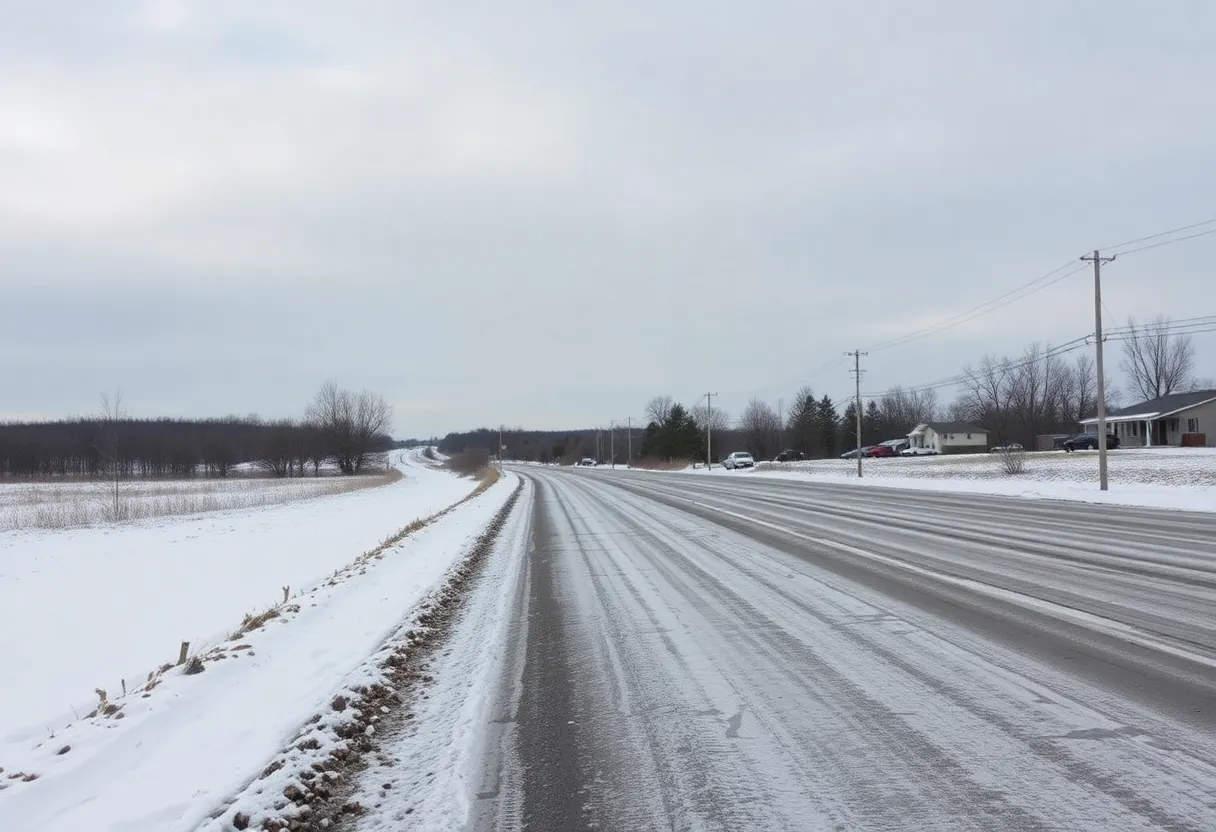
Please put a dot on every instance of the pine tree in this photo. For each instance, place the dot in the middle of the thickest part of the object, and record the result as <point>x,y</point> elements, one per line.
<point>828,426</point>
<point>802,422</point>
<point>871,424</point>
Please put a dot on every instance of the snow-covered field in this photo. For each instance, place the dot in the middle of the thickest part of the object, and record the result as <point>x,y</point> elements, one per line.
<point>65,505</point>
<point>81,610</point>
<point>84,609</point>
<point>1177,478</point>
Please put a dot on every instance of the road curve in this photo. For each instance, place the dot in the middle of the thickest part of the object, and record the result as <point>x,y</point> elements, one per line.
<point>739,653</point>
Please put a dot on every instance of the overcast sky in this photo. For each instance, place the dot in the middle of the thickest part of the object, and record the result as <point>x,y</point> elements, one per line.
<point>544,213</point>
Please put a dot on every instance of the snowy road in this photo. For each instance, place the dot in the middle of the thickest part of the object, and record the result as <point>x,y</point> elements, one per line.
<point>735,654</point>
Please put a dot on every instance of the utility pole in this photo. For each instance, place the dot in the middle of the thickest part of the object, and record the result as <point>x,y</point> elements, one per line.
<point>500,447</point>
<point>709,431</point>
<point>1103,482</point>
<point>781,423</point>
<point>857,354</point>
<point>598,445</point>
<point>612,442</point>
<point>629,436</point>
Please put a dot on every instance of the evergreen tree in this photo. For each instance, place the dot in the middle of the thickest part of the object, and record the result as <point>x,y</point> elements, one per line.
<point>828,426</point>
<point>871,424</point>
<point>677,436</point>
<point>803,423</point>
<point>848,425</point>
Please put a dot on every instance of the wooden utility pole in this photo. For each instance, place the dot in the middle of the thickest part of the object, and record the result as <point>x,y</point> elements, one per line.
<point>709,431</point>
<point>780,425</point>
<point>1103,481</point>
<point>629,421</point>
<point>857,354</point>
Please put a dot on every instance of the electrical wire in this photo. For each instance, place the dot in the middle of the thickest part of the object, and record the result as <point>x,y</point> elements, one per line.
<point>1159,234</point>
<point>1025,290</point>
<point>1188,326</point>
<point>1166,242</point>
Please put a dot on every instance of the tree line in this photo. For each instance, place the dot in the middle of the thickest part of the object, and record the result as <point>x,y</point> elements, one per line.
<point>1014,398</point>
<point>342,427</point>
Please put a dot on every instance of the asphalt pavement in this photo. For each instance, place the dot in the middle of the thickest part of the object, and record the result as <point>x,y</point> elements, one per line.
<point>739,653</point>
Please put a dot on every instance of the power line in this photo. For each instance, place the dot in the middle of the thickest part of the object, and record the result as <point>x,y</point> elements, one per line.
<point>1167,242</point>
<point>1160,234</point>
<point>961,378</point>
<point>1025,290</point>
<point>1187,326</point>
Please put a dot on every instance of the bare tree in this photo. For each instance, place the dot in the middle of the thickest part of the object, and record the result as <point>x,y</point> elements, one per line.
<point>761,428</point>
<point>110,451</point>
<point>1157,363</point>
<point>718,419</point>
<point>986,396</point>
<point>1038,386</point>
<point>350,423</point>
<point>658,410</point>
<point>901,410</point>
<point>1203,384</point>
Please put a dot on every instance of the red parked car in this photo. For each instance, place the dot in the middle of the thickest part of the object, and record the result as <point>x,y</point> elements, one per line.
<point>881,450</point>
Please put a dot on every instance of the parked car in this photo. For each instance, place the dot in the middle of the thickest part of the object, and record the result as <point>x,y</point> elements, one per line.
<point>791,456</point>
<point>739,459</point>
<point>881,450</point>
<point>587,461</point>
<point>1000,449</point>
<point>1089,442</point>
<point>864,451</point>
<point>915,451</point>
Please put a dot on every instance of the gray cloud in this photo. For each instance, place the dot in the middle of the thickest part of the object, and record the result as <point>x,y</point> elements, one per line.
<point>545,213</point>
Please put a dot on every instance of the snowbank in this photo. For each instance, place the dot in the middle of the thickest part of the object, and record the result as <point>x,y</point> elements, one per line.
<point>178,753</point>
<point>90,608</point>
<point>1172,478</point>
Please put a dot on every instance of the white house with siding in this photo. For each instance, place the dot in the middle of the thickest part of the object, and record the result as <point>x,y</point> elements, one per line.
<point>949,437</point>
<point>1176,419</point>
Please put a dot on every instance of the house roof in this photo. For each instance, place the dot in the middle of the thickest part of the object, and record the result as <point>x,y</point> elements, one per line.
<point>950,427</point>
<point>1159,407</point>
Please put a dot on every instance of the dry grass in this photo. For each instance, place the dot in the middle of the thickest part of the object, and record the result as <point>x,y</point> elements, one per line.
<point>468,463</point>
<point>78,505</point>
<point>662,465</point>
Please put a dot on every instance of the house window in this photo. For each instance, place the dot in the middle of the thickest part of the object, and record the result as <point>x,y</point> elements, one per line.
<point>1192,425</point>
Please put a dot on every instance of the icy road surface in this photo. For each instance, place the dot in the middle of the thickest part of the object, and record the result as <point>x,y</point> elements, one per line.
<point>739,654</point>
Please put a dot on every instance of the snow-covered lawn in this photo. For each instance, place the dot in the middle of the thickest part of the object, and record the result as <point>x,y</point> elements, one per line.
<point>89,608</point>
<point>173,754</point>
<point>1178,478</point>
<point>64,505</point>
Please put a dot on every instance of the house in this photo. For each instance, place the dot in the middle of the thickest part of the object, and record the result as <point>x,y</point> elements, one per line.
<point>1176,419</point>
<point>949,437</point>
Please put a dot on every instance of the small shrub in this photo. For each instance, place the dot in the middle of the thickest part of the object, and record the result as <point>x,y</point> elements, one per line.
<point>469,463</point>
<point>1013,462</point>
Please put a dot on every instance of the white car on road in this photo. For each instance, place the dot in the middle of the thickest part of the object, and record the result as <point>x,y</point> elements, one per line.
<point>739,459</point>
<point>914,451</point>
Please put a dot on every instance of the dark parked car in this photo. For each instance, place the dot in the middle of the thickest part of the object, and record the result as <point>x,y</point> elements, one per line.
<point>791,456</point>
<point>1089,442</point>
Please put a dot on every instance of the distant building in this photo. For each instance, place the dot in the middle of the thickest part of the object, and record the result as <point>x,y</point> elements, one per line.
<point>1176,419</point>
<point>949,437</point>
